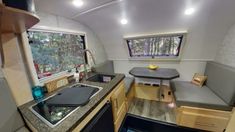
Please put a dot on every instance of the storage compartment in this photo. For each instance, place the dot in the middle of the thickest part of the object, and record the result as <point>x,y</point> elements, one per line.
<point>205,119</point>
<point>150,92</point>
<point>121,116</point>
<point>147,92</point>
<point>130,95</point>
<point>119,105</point>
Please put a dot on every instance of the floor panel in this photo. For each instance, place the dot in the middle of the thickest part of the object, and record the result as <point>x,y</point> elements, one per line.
<point>153,110</point>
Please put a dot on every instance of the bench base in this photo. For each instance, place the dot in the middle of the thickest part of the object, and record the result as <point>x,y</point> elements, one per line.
<point>205,119</point>
<point>151,93</point>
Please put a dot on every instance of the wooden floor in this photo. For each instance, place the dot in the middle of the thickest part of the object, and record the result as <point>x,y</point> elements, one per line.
<point>153,109</point>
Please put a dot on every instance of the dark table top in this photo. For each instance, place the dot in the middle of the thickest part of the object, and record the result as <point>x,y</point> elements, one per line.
<point>160,73</point>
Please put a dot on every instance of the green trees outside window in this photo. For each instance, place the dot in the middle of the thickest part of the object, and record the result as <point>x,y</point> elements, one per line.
<point>155,46</point>
<point>55,52</point>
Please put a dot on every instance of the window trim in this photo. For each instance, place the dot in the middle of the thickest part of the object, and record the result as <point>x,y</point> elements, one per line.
<point>157,58</point>
<point>44,80</point>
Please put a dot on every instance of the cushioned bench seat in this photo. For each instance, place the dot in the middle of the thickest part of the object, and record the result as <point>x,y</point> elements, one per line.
<point>187,94</point>
<point>128,83</point>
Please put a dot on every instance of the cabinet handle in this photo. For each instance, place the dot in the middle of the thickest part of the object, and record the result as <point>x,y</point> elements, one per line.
<point>205,124</point>
<point>116,102</point>
<point>1,45</point>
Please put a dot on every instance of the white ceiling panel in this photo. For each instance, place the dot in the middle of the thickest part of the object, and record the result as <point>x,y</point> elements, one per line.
<point>65,7</point>
<point>206,27</point>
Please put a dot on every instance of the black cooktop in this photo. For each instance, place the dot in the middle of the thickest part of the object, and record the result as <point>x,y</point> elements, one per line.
<point>53,114</point>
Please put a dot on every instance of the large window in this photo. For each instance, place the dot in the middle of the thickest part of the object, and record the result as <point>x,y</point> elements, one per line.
<point>158,46</point>
<point>55,52</point>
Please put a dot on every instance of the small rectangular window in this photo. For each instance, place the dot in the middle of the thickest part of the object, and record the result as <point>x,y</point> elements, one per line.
<point>156,46</point>
<point>55,52</point>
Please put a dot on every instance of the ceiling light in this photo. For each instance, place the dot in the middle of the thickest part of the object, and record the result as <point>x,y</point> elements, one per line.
<point>124,21</point>
<point>189,11</point>
<point>78,3</point>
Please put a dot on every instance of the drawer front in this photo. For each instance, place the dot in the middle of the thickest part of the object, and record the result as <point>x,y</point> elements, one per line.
<point>121,96</point>
<point>120,117</point>
<point>118,99</point>
<point>130,97</point>
<point>204,122</point>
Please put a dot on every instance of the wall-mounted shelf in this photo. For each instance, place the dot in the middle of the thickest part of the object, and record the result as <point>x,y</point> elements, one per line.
<point>16,21</point>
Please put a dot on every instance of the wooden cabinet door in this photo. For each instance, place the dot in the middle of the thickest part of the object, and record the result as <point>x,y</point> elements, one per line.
<point>118,100</point>
<point>205,119</point>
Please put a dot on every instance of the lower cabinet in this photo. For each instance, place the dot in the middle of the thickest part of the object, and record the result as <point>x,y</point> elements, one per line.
<point>102,122</point>
<point>148,92</point>
<point>106,117</point>
<point>205,119</point>
<point>130,96</point>
<point>118,100</point>
<point>133,123</point>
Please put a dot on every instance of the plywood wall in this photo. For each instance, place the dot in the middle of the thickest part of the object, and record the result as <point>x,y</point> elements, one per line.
<point>14,71</point>
<point>231,126</point>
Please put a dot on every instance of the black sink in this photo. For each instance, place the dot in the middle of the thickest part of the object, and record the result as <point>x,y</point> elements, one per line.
<point>101,78</point>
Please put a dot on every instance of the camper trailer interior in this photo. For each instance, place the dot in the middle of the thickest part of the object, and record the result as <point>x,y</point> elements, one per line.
<point>117,65</point>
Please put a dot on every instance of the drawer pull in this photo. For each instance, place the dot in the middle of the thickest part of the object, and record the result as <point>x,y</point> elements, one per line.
<point>116,102</point>
<point>205,124</point>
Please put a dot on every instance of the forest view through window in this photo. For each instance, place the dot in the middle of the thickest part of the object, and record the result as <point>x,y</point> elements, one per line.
<point>55,52</point>
<point>167,46</point>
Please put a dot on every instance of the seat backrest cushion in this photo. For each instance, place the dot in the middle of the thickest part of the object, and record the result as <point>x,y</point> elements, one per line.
<point>105,67</point>
<point>221,80</point>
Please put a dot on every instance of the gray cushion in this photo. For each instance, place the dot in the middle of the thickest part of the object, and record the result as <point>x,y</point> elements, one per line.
<point>221,80</point>
<point>106,67</point>
<point>128,83</point>
<point>188,94</point>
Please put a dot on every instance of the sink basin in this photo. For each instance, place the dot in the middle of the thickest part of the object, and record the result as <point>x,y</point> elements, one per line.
<point>101,78</point>
<point>52,115</point>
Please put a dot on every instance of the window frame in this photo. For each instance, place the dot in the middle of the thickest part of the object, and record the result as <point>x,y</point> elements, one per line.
<point>158,58</point>
<point>58,30</point>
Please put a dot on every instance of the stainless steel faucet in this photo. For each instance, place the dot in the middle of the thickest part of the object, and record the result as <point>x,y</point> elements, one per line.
<point>84,62</point>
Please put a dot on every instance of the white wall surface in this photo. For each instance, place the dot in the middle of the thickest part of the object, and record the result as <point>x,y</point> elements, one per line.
<point>93,43</point>
<point>226,51</point>
<point>185,68</point>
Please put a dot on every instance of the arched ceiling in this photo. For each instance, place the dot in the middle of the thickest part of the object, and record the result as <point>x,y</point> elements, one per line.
<point>206,27</point>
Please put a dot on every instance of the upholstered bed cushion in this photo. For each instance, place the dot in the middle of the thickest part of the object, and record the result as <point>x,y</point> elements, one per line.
<point>128,82</point>
<point>188,94</point>
<point>221,80</point>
